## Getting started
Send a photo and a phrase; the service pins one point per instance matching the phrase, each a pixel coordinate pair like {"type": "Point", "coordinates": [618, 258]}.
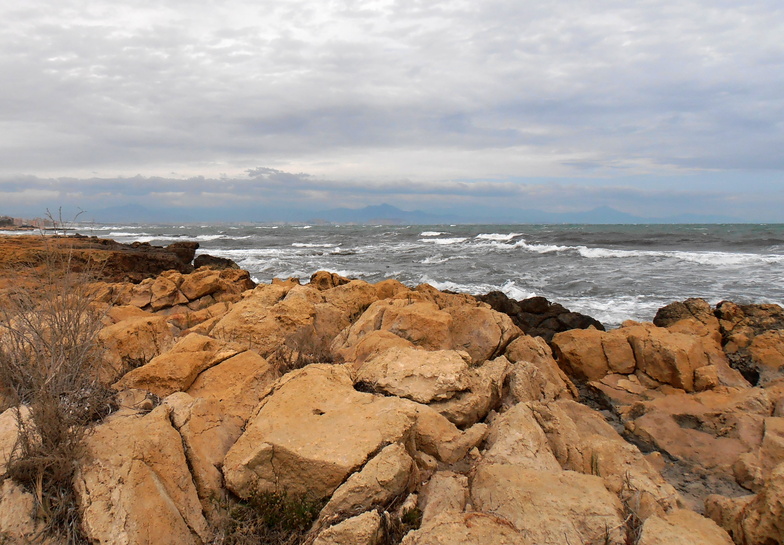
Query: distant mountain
{"type": "Point", "coordinates": [380, 214]}
{"type": "Point", "coordinates": [383, 214]}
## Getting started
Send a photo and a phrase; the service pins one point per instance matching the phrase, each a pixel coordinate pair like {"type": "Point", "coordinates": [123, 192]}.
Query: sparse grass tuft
{"type": "Point", "coordinates": [301, 348]}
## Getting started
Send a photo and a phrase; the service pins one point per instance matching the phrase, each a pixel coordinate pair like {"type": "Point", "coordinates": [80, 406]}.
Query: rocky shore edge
{"type": "Point", "coordinates": [407, 415]}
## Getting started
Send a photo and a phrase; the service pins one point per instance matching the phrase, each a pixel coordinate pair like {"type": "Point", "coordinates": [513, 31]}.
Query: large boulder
{"type": "Point", "coordinates": [134, 486]}
{"type": "Point", "coordinates": [682, 527]}
{"type": "Point", "coordinates": [550, 507]}
{"type": "Point", "coordinates": [460, 325]}
{"type": "Point", "coordinates": [134, 342]}
{"type": "Point", "coordinates": [309, 444]}
{"type": "Point", "coordinates": [757, 519]}
{"type": "Point", "coordinates": [535, 375]}
{"type": "Point", "coordinates": [175, 370]}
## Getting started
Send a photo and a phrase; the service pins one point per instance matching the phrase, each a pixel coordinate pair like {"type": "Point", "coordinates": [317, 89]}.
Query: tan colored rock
{"type": "Point", "coordinates": [175, 370]}
{"type": "Point", "coordinates": [207, 434]}
{"type": "Point", "coordinates": [311, 443]}
{"type": "Point", "coordinates": [516, 438]}
{"type": "Point", "coordinates": [9, 433]}
{"type": "Point", "coordinates": [767, 352]}
{"type": "Point", "coordinates": [550, 507]}
{"type": "Point", "coordinates": [478, 330]}
{"type": "Point", "coordinates": [581, 354]}
{"type": "Point", "coordinates": [135, 488]}
{"type": "Point", "coordinates": [389, 288]}
{"type": "Point", "coordinates": [418, 375]}
{"type": "Point", "coordinates": [682, 527]}
{"type": "Point", "coordinates": [164, 293]}
{"type": "Point", "coordinates": [466, 529]}
{"type": "Point", "coordinates": [370, 345]}
{"type": "Point", "coordinates": [364, 529]}
{"type": "Point", "coordinates": [757, 519]}
{"type": "Point", "coordinates": [619, 353]}
{"type": "Point", "coordinates": [535, 376]}
{"type": "Point", "coordinates": [386, 476]}
{"type": "Point", "coordinates": [583, 441]}
{"type": "Point", "coordinates": [438, 437]}
{"type": "Point", "coordinates": [445, 492]}
{"type": "Point", "coordinates": [134, 342]}
{"type": "Point", "coordinates": [17, 507]}
{"type": "Point", "coordinates": [200, 283]}
{"type": "Point", "coordinates": [238, 384]}
{"type": "Point", "coordinates": [670, 358]}
{"type": "Point", "coordinates": [483, 394]}
{"type": "Point", "coordinates": [324, 280]}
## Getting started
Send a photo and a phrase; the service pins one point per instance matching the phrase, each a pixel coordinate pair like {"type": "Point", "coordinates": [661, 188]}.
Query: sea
{"type": "Point", "coordinates": [610, 272]}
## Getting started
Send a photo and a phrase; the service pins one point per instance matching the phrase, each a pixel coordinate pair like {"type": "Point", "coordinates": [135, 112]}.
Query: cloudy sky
{"type": "Point", "coordinates": [650, 107]}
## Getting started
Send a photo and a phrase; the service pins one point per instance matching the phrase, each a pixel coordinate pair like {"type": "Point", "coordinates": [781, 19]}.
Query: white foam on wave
{"type": "Point", "coordinates": [432, 233]}
{"type": "Point", "coordinates": [541, 248]}
{"type": "Point", "coordinates": [513, 291]}
{"type": "Point", "coordinates": [313, 245]}
{"type": "Point", "coordinates": [444, 241]}
{"type": "Point", "coordinates": [128, 234]}
{"type": "Point", "coordinates": [612, 311]}
{"type": "Point", "coordinates": [700, 258]}
{"type": "Point", "coordinates": [498, 237]}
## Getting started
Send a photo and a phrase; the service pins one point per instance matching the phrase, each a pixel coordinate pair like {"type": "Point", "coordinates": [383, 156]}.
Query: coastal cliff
{"type": "Point", "coordinates": [394, 414]}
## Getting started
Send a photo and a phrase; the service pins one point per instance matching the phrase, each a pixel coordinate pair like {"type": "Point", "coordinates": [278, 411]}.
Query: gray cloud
{"type": "Point", "coordinates": [380, 92]}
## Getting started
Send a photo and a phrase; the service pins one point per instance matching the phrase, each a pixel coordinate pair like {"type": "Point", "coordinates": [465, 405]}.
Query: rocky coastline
{"type": "Point", "coordinates": [406, 414]}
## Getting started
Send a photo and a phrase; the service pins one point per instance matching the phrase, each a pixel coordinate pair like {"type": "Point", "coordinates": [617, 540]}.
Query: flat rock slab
{"type": "Point", "coordinates": [312, 432]}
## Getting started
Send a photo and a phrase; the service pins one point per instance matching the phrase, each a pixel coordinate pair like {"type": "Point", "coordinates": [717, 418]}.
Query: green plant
{"type": "Point", "coordinates": [269, 518]}
{"type": "Point", "coordinates": [49, 366]}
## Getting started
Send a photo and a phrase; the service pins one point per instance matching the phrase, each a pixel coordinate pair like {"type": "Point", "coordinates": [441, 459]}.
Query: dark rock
{"type": "Point", "coordinates": [537, 316]}
{"type": "Point", "coordinates": [698, 309]}
{"type": "Point", "coordinates": [213, 262]}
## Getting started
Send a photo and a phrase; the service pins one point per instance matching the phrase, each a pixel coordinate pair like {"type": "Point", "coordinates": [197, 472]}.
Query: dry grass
{"type": "Point", "coordinates": [50, 363]}
{"type": "Point", "coordinates": [301, 348]}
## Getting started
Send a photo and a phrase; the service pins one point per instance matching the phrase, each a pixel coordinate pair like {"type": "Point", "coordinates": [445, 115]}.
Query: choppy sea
{"type": "Point", "coordinates": [610, 272]}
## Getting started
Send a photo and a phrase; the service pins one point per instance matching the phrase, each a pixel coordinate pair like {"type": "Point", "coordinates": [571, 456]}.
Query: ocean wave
{"type": "Point", "coordinates": [700, 258]}
{"type": "Point", "coordinates": [313, 245]}
{"type": "Point", "coordinates": [541, 248]}
{"type": "Point", "coordinates": [444, 241]}
{"type": "Point", "coordinates": [432, 233]}
{"type": "Point", "coordinates": [498, 237]}
{"type": "Point", "coordinates": [127, 234]}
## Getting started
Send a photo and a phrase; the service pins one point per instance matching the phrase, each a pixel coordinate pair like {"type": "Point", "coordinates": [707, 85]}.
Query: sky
{"type": "Point", "coordinates": [654, 108]}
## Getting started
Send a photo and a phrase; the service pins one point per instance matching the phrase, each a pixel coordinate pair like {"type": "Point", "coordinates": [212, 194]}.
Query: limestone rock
{"type": "Point", "coordinates": [135, 488]}
{"type": "Point", "coordinates": [482, 394]}
{"type": "Point", "coordinates": [580, 353]}
{"type": "Point", "coordinates": [364, 529]}
{"type": "Point", "coordinates": [466, 529]}
{"type": "Point", "coordinates": [682, 527]}
{"type": "Point", "coordinates": [757, 519]}
{"type": "Point", "coordinates": [238, 384]}
{"type": "Point", "coordinates": [383, 478]}
{"type": "Point", "coordinates": [418, 375]}
{"type": "Point", "coordinates": [445, 492]}
{"type": "Point", "coordinates": [516, 438]}
{"type": "Point", "coordinates": [311, 443]}
{"type": "Point", "coordinates": [207, 434]}
{"type": "Point", "coordinates": [176, 369]}
{"type": "Point", "coordinates": [324, 280]}
{"type": "Point", "coordinates": [550, 507]}
{"type": "Point", "coordinates": [535, 376]}
{"type": "Point", "coordinates": [17, 525]}
{"type": "Point", "coordinates": [134, 342]}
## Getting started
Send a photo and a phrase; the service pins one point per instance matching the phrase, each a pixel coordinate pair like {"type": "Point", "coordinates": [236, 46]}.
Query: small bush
{"type": "Point", "coordinates": [267, 519]}
{"type": "Point", "coordinates": [301, 348]}
{"type": "Point", "coordinates": [49, 364]}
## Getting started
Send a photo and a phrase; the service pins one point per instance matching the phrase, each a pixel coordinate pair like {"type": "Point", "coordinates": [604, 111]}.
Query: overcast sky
{"type": "Point", "coordinates": [651, 107]}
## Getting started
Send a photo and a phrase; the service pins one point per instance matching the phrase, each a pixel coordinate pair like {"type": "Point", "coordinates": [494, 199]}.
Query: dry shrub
{"type": "Point", "coordinates": [49, 364]}
{"type": "Point", "coordinates": [301, 348]}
